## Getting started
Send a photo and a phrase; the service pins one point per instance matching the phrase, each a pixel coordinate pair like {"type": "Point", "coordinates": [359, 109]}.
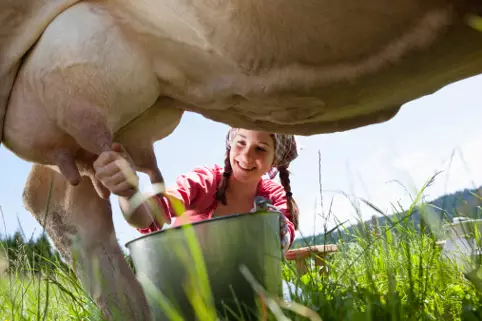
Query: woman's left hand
{"type": "Point", "coordinates": [284, 233]}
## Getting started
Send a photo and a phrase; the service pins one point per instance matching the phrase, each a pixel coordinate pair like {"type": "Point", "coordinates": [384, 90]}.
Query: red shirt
{"type": "Point", "coordinates": [197, 190]}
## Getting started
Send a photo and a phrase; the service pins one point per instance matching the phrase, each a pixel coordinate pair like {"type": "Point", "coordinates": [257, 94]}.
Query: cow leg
{"type": "Point", "coordinates": [81, 228]}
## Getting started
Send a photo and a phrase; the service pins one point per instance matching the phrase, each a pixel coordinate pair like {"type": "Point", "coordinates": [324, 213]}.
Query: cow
{"type": "Point", "coordinates": [76, 76]}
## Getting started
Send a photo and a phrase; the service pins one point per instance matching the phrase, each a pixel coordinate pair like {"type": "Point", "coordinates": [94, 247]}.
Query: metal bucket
{"type": "Point", "coordinates": [463, 243]}
{"type": "Point", "coordinates": [163, 260]}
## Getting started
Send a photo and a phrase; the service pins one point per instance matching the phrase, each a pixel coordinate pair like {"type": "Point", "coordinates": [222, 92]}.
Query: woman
{"type": "Point", "coordinates": [212, 192]}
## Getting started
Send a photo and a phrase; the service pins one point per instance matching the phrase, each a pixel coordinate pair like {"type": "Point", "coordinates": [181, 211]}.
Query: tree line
{"type": "Point", "coordinates": [33, 255]}
{"type": "Point", "coordinates": [464, 203]}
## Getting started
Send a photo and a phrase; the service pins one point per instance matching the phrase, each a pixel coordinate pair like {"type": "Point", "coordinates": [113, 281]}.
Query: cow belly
{"type": "Point", "coordinates": [79, 82]}
{"type": "Point", "coordinates": [299, 66]}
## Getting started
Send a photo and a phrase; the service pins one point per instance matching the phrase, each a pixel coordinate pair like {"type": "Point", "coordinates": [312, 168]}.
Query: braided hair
{"type": "Point", "coordinates": [284, 176]}
{"type": "Point", "coordinates": [223, 185]}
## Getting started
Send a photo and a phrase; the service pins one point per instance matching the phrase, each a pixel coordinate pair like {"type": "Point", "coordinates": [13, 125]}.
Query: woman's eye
{"type": "Point", "coordinates": [261, 149]}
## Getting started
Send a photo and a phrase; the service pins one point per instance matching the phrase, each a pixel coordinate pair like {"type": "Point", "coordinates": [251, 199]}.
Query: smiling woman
{"type": "Point", "coordinates": [209, 192]}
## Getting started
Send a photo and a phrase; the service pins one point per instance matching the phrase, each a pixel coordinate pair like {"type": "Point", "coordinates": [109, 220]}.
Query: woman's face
{"type": "Point", "coordinates": [252, 155]}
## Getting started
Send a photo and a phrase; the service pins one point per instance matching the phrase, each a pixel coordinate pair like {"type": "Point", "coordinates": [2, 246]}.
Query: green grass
{"type": "Point", "coordinates": [52, 294]}
{"type": "Point", "coordinates": [390, 273]}
{"type": "Point", "coordinates": [389, 277]}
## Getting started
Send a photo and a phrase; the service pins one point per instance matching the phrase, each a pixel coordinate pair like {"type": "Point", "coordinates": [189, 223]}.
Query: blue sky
{"type": "Point", "coordinates": [442, 131]}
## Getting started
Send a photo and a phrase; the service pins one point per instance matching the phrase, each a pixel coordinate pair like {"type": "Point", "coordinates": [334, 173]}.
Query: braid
{"type": "Point", "coordinates": [284, 176]}
{"type": "Point", "coordinates": [223, 185]}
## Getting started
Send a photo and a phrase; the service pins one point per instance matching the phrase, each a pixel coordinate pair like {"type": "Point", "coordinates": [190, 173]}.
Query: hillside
{"type": "Point", "coordinates": [467, 203]}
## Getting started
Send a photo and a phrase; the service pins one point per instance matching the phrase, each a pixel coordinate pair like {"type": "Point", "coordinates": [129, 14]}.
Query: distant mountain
{"type": "Point", "coordinates": [466, 203]}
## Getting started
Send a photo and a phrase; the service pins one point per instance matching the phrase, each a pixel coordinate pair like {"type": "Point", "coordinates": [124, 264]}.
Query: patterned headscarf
{"type": "Point", "coordinates": [285, 150]}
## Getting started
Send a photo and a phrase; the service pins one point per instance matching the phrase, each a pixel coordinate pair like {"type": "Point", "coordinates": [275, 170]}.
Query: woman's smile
{"type": "Point", "coordinates": [246, 167]}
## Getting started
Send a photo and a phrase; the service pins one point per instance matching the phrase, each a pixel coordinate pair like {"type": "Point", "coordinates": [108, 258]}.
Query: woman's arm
{"type": "Point", "coordinates": [193, 189]}
{"type": "Point", "coordinates": [141, 217]}
{"type": "Point", "coordinates": [117, 174]}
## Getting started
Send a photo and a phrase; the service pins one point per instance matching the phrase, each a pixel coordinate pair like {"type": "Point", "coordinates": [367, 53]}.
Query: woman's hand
{"type": "Point", "coordinates": [284, 233]}
{"type": "Point", "coordinates": [115, 171]}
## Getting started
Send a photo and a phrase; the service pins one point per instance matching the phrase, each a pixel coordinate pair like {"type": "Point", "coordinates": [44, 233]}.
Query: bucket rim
{"type": "Point", "coordinates": [210, 220]}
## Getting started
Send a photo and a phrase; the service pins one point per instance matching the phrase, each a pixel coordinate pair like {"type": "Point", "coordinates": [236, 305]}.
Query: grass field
{"type": "Point", "coordinates": [391, 273]}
